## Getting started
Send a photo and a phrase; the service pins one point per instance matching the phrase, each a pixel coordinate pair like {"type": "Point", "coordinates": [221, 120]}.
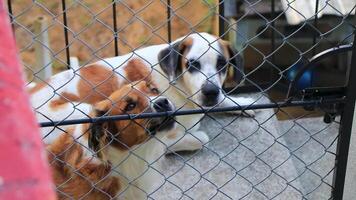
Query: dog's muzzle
{"type": "Point", "coordinates": [161, 104]}
{"type": "Point", "coordinates": [210, 94]}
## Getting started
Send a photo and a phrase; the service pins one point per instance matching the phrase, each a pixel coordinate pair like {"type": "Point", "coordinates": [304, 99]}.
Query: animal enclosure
{"type": "Point", "coordinates": [297, 64]}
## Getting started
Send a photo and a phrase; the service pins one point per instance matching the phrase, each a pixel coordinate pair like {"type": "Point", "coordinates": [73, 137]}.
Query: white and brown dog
{"type": "Point", "coordinates": [190, 72]}
{"type": "Point", "coordinates": [110, 159]}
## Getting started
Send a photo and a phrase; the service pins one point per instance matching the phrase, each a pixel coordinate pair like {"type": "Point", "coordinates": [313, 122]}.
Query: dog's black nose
{"type": "Point", "coordinates": [162, 105]}
{"type": "Point", "coordinates": [210, 90]}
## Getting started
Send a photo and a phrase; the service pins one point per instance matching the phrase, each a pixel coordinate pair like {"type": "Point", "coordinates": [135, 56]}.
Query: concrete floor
{"type": "Point", "coordinates": [260, 158]}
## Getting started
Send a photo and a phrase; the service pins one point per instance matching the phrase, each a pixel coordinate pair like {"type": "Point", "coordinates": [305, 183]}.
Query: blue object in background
{"type": "Point", "coordinates": [305, 80]}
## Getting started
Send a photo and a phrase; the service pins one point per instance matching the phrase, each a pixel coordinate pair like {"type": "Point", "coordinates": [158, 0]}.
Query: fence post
{"type": "Point", "coordinates": [65, 28]}
{"type": "Point", "coordinates": [221, 20]}
{"type": "Point", "coordinates": [24, 173]}
{"type": "Point", "coordinates": [344, 137]}
{"type": "Point", "coordinates": [43, 54]}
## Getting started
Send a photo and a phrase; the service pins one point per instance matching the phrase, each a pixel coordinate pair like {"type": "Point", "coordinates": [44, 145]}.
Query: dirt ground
{"type": "Point", "coordinates": [90, 26]}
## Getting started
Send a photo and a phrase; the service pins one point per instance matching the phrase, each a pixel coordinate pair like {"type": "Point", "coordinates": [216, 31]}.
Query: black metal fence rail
{"type": "Point", "coordinates": [313, 103]}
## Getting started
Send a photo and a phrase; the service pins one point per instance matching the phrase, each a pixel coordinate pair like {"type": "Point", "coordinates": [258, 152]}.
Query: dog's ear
{"type": "Point", "coordinates": [99, 132]}
{"type": "Point", "coordinates": [103, 106]}
{"type": "Point", "coordinates": [236, 63]}
{"type": "Point", "coordinates": [170, 58]}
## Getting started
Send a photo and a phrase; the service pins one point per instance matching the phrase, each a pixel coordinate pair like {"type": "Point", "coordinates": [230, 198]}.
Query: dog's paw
{"type": "Point", "coordinates": [189, 142]}
{"type": "Point", "coordinates": [246, 113]}
{"type": "Point", "coordinates": [249, 113]}
{"type": "Point", "coordinates": [201, 136]}
{"type": "Point", "coordinates": [243, 102]}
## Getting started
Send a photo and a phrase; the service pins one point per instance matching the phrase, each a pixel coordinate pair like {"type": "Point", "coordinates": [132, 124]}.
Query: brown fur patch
{"type": "Point", "coordinates": [225, 45]}
{"type": "Point", "coordinates": [136, 70]}
{"type": "Point", "coordinates": [85, 127]}
{"type": "Point", "coordinates": [185, 46]}
{"type": "Point", "coordinates": [97, 83]}
{"type": "Point", "coordinates": [172, 135]}
{"type": "Point", "coordinates": [187, 42]}
{"type": "Point", "coordinates": [128, 132]}
{"type": "Point", "coordinates": [78, 176]}
{"type": "Point", "coordinates": [37, 87]}
{"type": "Point", "coordinates": [65, 97]}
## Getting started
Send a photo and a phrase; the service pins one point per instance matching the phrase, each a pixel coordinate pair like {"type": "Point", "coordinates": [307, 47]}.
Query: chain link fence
{"type": "Point", "coordinates": [118, 134]}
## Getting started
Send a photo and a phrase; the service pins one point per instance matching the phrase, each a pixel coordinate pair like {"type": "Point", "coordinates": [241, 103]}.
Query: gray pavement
{"type": "Point", "coordinates": [257, 159]}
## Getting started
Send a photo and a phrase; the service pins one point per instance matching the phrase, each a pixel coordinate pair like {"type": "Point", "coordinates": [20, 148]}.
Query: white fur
{"type": "Point", "coordinates": [138, 170]}
{"type": "Point", "coordinates": [205, 48]}
{"type": "Point", "coordinates": [135, 168]}
{"type": "Point", "coordinates": [184, 95]}
{"type": "Point", "coordinates": [73, 110]}
{"type": "Point", "coordinates": [50, 134]}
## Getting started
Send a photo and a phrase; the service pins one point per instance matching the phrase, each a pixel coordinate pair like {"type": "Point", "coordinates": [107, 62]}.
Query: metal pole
{"type": "Point", "coordinates": [43, 55]}
{"type": "Point", "coordinates": [315, 25]}
{"type": "Point", "coordinates": [273, 40]}
{"type": "Point", "coordinates": [316, 34]}
{"type": "Point", "coordinates": [273, 35]}
{"type": "Point", "coordinates": [116, 44]}
{"type": "Point", "coordinates": [194, 111]}
{"type": "Point", "coordinates": [9, 7]}
{"type": "Point", "coordinates": [66, 32]}
{"type": "Point", "coordinates": [169, 26]}
{"type": "Point", "coordinates": [344, 137]}
{"type": "Point", "coordinates": [221, 18]}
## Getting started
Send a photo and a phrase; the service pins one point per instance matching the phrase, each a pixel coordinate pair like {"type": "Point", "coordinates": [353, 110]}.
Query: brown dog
{"type": "Point", "coordinates": [82, 159]}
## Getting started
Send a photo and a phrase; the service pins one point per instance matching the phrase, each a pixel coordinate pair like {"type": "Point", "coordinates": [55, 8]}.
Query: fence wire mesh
{"type": "Point", "coordinates": [118, 128]}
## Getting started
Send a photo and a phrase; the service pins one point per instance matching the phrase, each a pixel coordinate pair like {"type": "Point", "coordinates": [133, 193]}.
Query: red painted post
{"type": "Point", "coordinates": [24, 172]}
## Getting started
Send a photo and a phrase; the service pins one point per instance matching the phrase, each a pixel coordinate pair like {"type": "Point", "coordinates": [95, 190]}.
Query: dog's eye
{"type": "Point", "coordinates": [130, 106]}
{"type": "Point", "coordinates": [221, 63]}
{"type": "Point", "coordinates": [193, 65]}
{"type": "Point", "coordinates": [154, 91]}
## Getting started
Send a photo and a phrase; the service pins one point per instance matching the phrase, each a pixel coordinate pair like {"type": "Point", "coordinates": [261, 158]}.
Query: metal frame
{"type": "Point", "coordinates": [347, 116]}
{"type": "Point", "coordinates": [197, 111]}
{"type": "Point", "coordinates": [116, 43]}
{"type": "Point", "coordinates": [347, 111]}
{"type": "Point", "coordinates": [65, 28]}
{"type": "Point", "coordinates": [311, 65]}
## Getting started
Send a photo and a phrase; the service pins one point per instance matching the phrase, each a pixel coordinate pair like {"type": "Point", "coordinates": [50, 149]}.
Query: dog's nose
{"type": "Point", "coordinates": [210, 90]}
{"type": "Point", "coordinates": [162, 104]}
